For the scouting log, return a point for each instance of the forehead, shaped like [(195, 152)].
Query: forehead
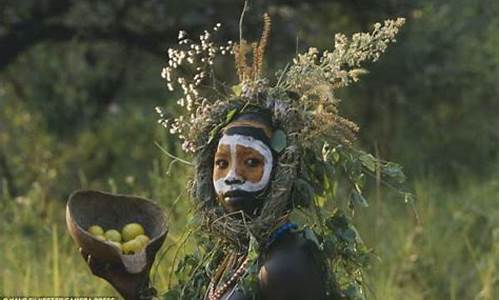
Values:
[(252, 124), (243, 142), (225, 150)]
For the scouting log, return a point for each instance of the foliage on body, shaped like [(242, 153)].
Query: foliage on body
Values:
[(314, 143)]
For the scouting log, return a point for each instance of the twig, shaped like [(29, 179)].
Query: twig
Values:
[(241, 19), (176, 158), (283, 74)]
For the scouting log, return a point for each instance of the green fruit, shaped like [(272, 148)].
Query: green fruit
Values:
[(95, 230), (116, 245), (113, 235), (131, 230), (131, 247), (100, 237), (143, 239)]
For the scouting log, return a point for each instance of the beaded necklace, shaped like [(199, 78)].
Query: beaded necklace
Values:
[(216, 291), (280, 231)]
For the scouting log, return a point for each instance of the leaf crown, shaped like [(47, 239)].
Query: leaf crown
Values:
[(302, 97)]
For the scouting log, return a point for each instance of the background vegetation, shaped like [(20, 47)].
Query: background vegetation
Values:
[(79, 81)]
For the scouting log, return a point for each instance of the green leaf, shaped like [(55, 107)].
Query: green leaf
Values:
[(348, 235), (278, 140), (359, 182), (321, 201), (368, 161), (236, 90), (252, 249), (311, 236), (354, 292), (357, 198), (214, 132), (335, 155), (230, 115), (394, 171)]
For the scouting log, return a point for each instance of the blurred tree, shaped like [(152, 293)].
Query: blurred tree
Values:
[(432, 101), (88, 73)]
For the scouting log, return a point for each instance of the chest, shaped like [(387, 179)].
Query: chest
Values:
[(287, 271)]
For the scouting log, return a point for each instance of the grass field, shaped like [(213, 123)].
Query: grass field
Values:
[(80, 80), (450, 251)]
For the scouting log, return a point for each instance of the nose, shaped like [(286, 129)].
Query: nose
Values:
[(234, 180)]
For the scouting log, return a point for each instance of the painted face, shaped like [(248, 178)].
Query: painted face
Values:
[(242, 169)]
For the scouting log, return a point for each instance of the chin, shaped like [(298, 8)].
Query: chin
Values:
[(248, 205)]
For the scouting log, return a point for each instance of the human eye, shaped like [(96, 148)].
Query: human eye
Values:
[(253, 162), (221, 163)]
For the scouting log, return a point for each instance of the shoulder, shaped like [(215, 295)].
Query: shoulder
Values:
[(292, 270)]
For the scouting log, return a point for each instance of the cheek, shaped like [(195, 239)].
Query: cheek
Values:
[(219, 174), (218, 179), (253, 175), (223, 152)]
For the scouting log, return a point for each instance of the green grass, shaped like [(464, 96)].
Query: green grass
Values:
[(451, 253)]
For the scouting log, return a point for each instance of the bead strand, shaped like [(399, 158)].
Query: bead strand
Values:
[(216, 294), (282, 230)]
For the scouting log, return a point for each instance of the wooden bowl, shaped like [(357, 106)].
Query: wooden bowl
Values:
[(112, 211)]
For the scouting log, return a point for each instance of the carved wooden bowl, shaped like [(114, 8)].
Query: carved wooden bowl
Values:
[(113, 211)]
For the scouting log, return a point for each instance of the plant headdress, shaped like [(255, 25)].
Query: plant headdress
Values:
[(313, 141)]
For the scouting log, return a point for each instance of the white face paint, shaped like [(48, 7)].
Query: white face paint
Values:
[(224, 184)]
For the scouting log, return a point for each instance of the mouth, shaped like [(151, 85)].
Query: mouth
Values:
[(236, 200), (235, 195)]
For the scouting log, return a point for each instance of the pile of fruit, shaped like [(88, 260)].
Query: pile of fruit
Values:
[(131, 239)]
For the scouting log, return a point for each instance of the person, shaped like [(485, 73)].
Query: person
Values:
[(242, 174), (262, 153)]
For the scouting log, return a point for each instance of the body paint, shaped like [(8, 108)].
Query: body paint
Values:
[(222, 187)]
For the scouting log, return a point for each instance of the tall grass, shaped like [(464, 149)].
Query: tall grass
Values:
[(452, 253), (449, 252)]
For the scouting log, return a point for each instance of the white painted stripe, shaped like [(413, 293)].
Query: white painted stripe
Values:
[(246, 141)]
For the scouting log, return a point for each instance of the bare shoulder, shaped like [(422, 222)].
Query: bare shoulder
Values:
[(292, 270)]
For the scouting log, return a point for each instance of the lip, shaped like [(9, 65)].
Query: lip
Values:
[(236, 198), (234, 194), (230, 199)]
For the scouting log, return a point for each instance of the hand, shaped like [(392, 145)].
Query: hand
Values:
[(130, 286)]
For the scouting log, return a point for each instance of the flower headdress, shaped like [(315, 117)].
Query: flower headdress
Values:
[(313, 141), (307, 86)]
